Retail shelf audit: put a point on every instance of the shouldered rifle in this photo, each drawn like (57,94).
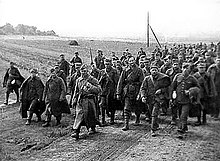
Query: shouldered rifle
(90,52)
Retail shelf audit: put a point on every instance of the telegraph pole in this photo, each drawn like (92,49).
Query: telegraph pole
(148,36)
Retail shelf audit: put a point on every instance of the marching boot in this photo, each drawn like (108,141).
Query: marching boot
(92,131)
(29,117)
(6,98)
(76,134)
(126,126)
(48,119)
(58,118)
(39,118)
(112,121)
(137,121)
(103,122)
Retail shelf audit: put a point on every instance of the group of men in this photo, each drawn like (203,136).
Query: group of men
(184,78)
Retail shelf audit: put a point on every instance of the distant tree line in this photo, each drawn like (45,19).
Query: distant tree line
(21,29)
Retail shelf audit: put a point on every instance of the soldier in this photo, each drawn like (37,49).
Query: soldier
(167,64)
(214,72)
(95,71)
(207,91)
(158,62)
(108,79)
(54,93)
(72,83)
(99,60)
(60,73)
(146,69)
(128,87)
(119,67)
(31,96)
(86,90)
(153,93)
(139,55)
(181,85)
(75,59)
(64,65)
(12,81)
(171,73)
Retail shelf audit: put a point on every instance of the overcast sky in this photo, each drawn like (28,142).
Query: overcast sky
(114,18)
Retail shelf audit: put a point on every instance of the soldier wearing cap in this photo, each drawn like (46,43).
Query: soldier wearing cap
(119,67)
(214,72)
(209,58)
(181,85)
(64,65)
(207,91)
(146,69)
(72,83)
(139,55)
(171,73)
(60,73)
(12,81)
(86,91)
(75,59)
(158,62)
(99,60)
(153,94)
(128,88)
(108,79)
(54,93)
(141,62)
(167,64)
(31,95)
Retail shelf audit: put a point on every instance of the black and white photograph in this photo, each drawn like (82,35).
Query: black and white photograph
(109,80)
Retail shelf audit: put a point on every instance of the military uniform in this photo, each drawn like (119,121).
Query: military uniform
(31,95)
(181,84)
(207,91)
(54,92)
(148,91)
(64,65)
(12,81)
(108,79)
(85,93)
(128,87)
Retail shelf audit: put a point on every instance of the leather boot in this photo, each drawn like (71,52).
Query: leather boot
(126,126)
(137,121)
(58,118)
(76,134)
(48,119)
(29,117)
(6,98)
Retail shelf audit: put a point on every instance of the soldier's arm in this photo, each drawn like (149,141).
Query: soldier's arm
(63,89)
(144,88)
(120,83)
(94,87)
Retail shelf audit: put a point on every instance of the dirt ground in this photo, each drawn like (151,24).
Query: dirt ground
(30,143)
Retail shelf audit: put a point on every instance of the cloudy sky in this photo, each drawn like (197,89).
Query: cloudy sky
(114,18)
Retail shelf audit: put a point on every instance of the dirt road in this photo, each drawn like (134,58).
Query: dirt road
(27,143)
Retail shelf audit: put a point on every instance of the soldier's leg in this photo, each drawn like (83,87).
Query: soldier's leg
(164,106)
(58,118)
(76,133)
(6,97)
(16,89)
(102,105)
(155,113)
(183,118)
(217,107)
(127,113)
(32,108)
(174,110)
(48,115)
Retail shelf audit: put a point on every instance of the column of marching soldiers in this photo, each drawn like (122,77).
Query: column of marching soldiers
(184,78)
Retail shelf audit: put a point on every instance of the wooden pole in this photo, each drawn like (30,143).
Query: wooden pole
(148,36)
(155,36)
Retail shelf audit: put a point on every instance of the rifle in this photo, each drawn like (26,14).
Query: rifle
(90,52)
